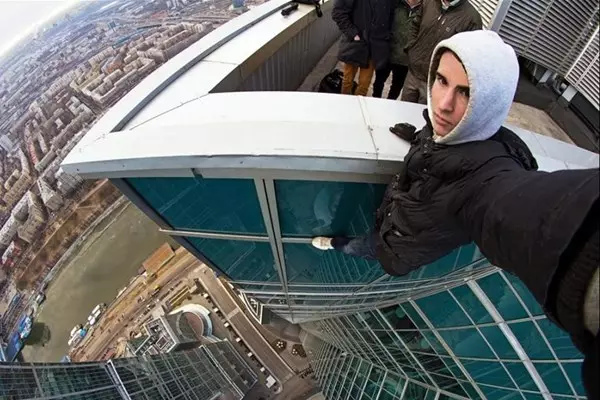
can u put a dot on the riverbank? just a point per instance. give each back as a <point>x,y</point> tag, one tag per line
<point>105,262</point>
<point>84,241</point>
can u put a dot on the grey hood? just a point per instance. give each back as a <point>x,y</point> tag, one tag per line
<point>493,73</point>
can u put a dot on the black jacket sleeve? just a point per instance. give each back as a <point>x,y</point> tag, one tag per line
<point>523,221</point>
<point>342,16</point>
<point>537,225</point>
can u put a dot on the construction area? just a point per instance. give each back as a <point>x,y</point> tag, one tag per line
<point>163,281</point>
<point>172,285</point>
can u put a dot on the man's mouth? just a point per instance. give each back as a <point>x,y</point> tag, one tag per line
<point>439,120</point>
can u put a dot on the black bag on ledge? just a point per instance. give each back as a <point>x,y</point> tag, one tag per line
<point>316,3</point>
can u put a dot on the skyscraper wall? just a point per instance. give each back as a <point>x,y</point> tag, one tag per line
<point>198,374</point>
<point>486,339</point>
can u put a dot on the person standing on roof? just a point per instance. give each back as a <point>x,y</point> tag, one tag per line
<point>440,20</point>
<point>466,178</point>
<point>365,43</point>
<point>407,11</point>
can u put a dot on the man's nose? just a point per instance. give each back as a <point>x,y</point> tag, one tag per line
<point>447,101</point>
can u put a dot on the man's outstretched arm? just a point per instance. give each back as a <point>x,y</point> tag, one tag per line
<point>543,228</point>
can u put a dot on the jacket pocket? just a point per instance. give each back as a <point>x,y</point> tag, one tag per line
<point>354,52</point>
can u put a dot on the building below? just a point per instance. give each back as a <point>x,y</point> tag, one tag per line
<point>212,371</point>
<point>166,333</point>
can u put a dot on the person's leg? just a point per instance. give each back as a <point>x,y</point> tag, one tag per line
<point>381,76</point>
<point>398,77</point>
<point>363,246</point>
<point>348,79</point>
<point>365,75</point>
<point>410,91</point>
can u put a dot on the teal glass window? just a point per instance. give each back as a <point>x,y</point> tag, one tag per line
<point>375,378</point>
<point>553,378</point>
<point>434,344</point>
<point>531,341</point>
<point>502,297</point>
<point>443,311</point>
<point>313,208</point>
<point>498,341</point>
<point>240,260</point>
<point>446,382</point>
<point>492,393</point>
<point>471,303</point>
<point>459,258</point>
<point>521,376</point>
<point>490,373</point>
<point>466,343</point>
<point>414,391</point>
<point>414,316</point>
<point>433,364</point>
<point>468,391</point>
<point>525,295</point>
<point>454,369</point>
<point>559,340</point>
<point>199,204</point>
<point>306,264</point>
<point>573,371</point>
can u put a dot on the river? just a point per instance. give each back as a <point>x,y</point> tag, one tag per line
<point>103,266</point>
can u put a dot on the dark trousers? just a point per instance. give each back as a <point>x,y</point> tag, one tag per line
<point>363,246</point>
<point>398,76</point>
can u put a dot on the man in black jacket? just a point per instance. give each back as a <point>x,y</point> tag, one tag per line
<point>364,47</point>
<point>412,225</point>
<point>405,14</point>
<point>466,178</point>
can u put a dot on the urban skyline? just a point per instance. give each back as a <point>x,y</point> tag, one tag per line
<point>54,87</point>
<point>21,20</point>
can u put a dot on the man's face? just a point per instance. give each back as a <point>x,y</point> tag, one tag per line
<point>449,94</point>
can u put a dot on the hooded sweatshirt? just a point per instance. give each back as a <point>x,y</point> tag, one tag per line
<point>492,83</point>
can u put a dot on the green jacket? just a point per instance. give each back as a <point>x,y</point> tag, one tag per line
<point>404,30</point>
<point>435,25</point>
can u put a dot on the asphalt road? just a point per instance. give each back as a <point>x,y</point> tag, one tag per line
<point>246,330</point>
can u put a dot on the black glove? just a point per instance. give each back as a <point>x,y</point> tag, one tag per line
<point>404,131</point>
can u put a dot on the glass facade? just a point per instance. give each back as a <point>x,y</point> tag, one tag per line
<point>478,340</point>
<point>456,328</point>
<point>257,232</point>
<point>198,374</point>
